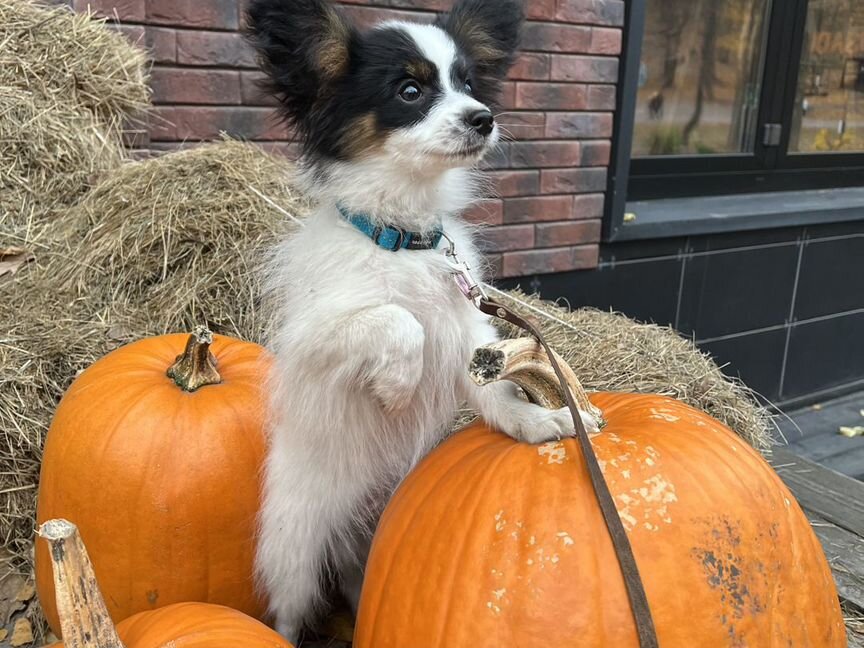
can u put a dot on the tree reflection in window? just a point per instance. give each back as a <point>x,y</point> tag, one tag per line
<point>700,77</point>
<point>829,107</point>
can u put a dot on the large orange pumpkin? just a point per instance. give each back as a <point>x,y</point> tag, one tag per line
<point>492,543</point>
<point>87,624</point>
<point>160,473</point>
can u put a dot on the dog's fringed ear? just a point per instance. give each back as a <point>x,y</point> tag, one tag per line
<point>302,46</point>
<point>488,30</point>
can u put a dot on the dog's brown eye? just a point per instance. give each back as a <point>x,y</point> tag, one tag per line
<point>410,92</point>
<point>468,87</point>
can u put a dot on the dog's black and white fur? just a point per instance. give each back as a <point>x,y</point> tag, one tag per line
<point>372,346</point>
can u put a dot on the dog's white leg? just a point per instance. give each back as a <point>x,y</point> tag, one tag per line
<point>302,530</point>
<point>387,342</point>
<point>502,407</point>
<point>294,532</point>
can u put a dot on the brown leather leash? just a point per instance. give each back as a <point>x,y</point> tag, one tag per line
<point>633,582</point>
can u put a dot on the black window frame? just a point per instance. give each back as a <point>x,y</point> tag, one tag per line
<point>766,169</point>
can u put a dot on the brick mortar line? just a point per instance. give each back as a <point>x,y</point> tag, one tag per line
<point>232,30</point>
<point>177,26</point>
<point>611,57</point>
<point>226,106</point>
<point>201,68</point>
<point>212,68</point>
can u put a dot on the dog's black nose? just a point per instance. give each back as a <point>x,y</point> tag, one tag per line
<point>482,121</point>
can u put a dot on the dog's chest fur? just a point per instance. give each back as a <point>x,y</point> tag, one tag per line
<point>330,272</point>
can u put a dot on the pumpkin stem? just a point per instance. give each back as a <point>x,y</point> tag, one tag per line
<point>84,618</point>
<point>196,366</point>
<point>524,362</point>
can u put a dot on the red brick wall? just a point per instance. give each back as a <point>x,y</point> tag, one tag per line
<point>559,105</point>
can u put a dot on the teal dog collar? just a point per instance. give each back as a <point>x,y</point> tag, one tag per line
<point>392,238</point>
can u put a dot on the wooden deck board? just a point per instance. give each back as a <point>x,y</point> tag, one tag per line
<point>849,463</point>
<point>845,553</point>
<point>855,641</point>
<point>833,497</point>
<point>813,432</point>
<point>828,417</point>
<point>834,503</point>
<point>826,444</point>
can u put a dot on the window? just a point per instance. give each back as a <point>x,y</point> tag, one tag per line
<point>699,77</point>
<point>829,106</point>
<point>725,97</point>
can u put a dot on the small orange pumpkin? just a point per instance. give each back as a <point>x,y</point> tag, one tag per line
<point>86,622</point>
<point>194,625</point>
<point>161,473</point>
<point>492,543</point>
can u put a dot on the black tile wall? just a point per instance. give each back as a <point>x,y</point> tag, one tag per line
<point>826,267</point>
<point>646,291</point>
<point>824,354</point>
<point>850,228</point>
<point>736,297</point>
<point>732,292</point>
<point>753,238</point>
<point>642,250</point>
<point>757,359</point>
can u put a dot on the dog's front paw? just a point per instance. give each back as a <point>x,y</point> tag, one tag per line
<point>534,424</point>
<point>394,381</point>
<point>397,368</point>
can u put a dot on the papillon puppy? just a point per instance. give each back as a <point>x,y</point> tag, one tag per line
<point>372,336</point>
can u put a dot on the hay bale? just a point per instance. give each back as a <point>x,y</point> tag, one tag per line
<point>68,84</point>
<point>50,154</point>
<point>611,352</point>
<point>41,350</point>
<point>158,246</point>
<point>71,58</point>
<point>174,241</point>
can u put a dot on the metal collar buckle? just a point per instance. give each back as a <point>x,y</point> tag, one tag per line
<point>400,240</point>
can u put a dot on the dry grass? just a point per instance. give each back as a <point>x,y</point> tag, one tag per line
<point>173,242</point>
<point>50,154</point>
<point>71,58</point>
<point>68,84</point>
<point>158,246</point>
<point>41,350</point>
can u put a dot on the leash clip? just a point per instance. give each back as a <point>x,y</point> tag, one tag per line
<point>465,281</point>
